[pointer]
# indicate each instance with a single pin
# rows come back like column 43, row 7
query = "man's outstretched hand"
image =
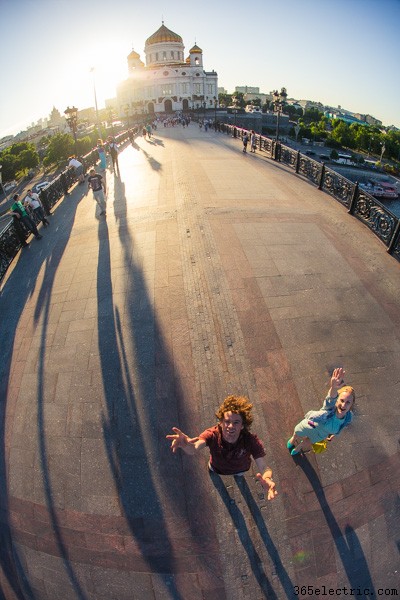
column 181, row 440
column 268, row 486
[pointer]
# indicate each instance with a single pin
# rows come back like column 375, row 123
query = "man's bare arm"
column 264, row 476
column 183, row 441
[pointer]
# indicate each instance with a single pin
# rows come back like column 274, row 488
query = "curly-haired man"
column 230, row 443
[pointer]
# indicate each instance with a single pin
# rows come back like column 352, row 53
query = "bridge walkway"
column 214, row 273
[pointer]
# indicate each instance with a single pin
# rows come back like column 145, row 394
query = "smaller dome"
column 133, row 54
column 195, row 50
column 163, row 34
column 188, row 60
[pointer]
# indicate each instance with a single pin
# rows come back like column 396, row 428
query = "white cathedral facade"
column 167, row 82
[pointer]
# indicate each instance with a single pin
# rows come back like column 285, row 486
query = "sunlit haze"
column 339, row 53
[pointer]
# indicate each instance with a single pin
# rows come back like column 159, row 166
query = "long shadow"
column 347, row 545
column 134, row 426
column 266, row 538
column 10, row 560
column 248, row 544
column 12, row 569
column 154, row 164
column 43, row 307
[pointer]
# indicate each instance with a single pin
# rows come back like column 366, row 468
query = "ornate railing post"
column 298, row 161
column 321, row 177
column 45, row 201
column 64, row 182
column 277, row 150
column 393, row 241
column 353, row 199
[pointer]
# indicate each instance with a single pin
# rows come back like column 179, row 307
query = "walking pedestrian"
column 33, row 201
column 102, row 154
column 113, row 146
column 230, row 443
column 324, row 424
column 78, row 168
column 253, row 141
column 97, row 184
column 18, row 212
column 245, row 142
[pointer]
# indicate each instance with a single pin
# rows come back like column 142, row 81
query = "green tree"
column 312, row 115
column 60, row 147
column 291, row 111
column 17, row 159
column 334, row 154
column 85, row 144
column 225, row 99
column 360, row 135
column 341, row 133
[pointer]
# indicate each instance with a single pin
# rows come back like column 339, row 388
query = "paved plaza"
column 214, row 273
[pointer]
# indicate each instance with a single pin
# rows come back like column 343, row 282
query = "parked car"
column 41, row 186
column 310, row 152
column 10, row 186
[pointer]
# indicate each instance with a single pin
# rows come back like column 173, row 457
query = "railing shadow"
column 10, row 560
column 347, row 544
column 248, row 544
column 12, row 570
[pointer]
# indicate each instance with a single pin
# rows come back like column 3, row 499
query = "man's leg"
column 31, row 226
column 99, row 197
column 40, row 213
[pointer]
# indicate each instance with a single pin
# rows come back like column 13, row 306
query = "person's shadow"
column 347, row 544
column 240, row 525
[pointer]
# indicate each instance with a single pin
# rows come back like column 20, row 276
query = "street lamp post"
column 279, row 103
column 371, row 139
column 382, row 151
column 72, row 120
column 126, row 110
column 92, row 70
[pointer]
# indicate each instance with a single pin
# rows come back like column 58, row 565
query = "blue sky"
column 344, row 52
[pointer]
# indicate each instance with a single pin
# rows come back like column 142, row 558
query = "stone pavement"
column 214, row 273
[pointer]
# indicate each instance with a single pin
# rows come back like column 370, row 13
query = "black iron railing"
column 377, row 217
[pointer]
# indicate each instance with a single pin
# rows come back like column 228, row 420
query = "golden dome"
column 195, row 50
column 163, row 34
column 133, row 54
column 188, row 60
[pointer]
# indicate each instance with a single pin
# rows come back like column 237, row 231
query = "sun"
column 101, row 67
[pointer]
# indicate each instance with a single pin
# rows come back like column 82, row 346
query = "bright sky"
column 344, row 52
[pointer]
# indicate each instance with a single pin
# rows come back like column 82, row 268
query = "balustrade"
column 377, row 217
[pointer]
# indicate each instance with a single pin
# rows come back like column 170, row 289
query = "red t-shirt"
column 228, row 459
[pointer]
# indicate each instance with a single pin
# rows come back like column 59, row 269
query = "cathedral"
column 167, row 82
